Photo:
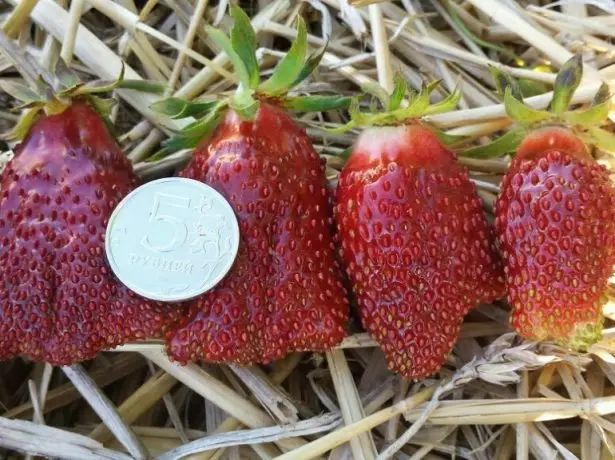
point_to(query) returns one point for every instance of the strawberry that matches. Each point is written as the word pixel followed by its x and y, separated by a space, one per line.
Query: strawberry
pixel 284 292
pixel 416 245
pixel 555 222
pixel 59 301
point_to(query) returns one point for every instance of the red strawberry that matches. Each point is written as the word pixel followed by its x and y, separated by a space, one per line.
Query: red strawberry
pixel 59 302
pixel 555 220
pixel 284 292
pixel 417 247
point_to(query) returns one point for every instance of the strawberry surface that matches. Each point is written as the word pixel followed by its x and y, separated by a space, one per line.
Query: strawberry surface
pixel 283 293
pixel 59 301
pixel 415 243
pixel 555 221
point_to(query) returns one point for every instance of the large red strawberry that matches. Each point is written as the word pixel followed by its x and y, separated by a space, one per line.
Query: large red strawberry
pixel 414 240
pixel 284 292
pixel 555 220
pixel 59 301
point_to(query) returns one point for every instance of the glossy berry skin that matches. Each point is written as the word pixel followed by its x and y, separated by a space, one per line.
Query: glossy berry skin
pixel 59 302
pixel 416 245
pixel 555 221
pixel 283 293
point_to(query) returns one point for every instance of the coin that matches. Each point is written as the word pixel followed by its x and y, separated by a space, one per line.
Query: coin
pixel 172 239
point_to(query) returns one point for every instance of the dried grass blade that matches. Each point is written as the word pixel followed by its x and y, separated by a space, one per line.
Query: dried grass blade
pixel 105 410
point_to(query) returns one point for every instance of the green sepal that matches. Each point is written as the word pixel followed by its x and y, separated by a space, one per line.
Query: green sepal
pixel 445 105
pixel 589 117
pixel 507 143
pixel 531 88
pixel 159 155
pixel 448 139
pixel 18 91
pixel 244 103
pixel 144 86
pixel 316 103
pixel 67 78
pixel 310 65
pixel 601 138
pixel 243 40
pixel 102 105
pixel 566 83
pixel 225 43
pixel 176 108
pixel 379 93
pixel 502 81
pixel 602 95
pixel 192 135
pixel 520 112
pixel 290 67
pixel 400 89
pixel 21 129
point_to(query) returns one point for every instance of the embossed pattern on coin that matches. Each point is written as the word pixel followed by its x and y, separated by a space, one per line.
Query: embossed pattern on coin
pixel 172 239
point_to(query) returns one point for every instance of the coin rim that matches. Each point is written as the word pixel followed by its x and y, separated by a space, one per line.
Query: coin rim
pixel 162 298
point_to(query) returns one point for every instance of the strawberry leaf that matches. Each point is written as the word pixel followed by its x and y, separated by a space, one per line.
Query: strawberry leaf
pixel 602 139
pixel 289 68
pixel 520 112
pixel 507 143
pixel 223 42
pixel 316 103
pixel 243 41
pixel 566 83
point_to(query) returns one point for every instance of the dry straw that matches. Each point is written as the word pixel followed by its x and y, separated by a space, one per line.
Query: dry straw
pixel 496 397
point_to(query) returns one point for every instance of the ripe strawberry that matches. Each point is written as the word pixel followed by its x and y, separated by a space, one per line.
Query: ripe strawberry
pixel 59 301
pixel 284 292
pixel 555 216
pixel 555 220
pixel 416 245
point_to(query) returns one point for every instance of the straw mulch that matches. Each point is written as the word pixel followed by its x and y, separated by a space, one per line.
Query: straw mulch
pixel 496 398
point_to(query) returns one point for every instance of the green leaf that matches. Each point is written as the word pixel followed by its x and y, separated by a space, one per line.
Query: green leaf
pixel 399 91
pixel 223 42
pixel 243 40
pixel 176 108
pixel 310 65
pixel 316 103
pixel 18 91
pixel 566 83
pixel 289 68
pixel 502 81
pixel 520 112
pixel 590 117
pixel 507 143
pixel 602 139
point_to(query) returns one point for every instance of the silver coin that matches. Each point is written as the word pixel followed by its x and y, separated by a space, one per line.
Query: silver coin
pixel 172 239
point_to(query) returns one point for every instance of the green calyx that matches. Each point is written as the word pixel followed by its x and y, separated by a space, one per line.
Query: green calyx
pixel 240 47
pixel 403 106
pixel 54 93
pixel 583 122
